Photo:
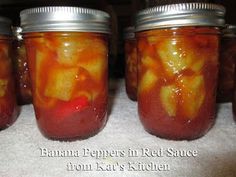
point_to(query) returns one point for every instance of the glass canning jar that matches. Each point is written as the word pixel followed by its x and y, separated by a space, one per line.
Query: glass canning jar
pixel 21 70
pixel 227 64
pixel 67 53
pixel 177 68
pixel 8 106
pixel 131 63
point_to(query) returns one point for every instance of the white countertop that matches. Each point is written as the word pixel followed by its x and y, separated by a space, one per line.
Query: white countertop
pixel 24 152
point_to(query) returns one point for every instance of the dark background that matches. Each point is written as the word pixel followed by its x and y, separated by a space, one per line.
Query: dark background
pixel 122 12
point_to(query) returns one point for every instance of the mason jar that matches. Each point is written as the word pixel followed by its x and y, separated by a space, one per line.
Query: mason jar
pixel 131 63
pixel 8 106
pixel 21 70
pixel 67 53
pixel 227 64
pixel 178 47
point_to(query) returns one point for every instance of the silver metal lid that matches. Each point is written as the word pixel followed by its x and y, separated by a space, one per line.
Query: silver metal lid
pixel 229 31
pixel 16 30
pixel 62 18
pixel 129 32
pixel 5 26
pixel 184 14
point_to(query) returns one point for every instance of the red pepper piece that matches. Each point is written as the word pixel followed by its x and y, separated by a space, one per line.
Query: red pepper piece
pixel 66 109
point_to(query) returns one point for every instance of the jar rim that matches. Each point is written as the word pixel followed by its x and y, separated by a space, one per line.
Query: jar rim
pixel 129 32
pixel 17 33
pixel 229 30
pixel 5 26
pixel 182 14
pixel 64 18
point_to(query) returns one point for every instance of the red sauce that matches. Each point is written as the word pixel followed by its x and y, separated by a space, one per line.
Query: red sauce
pixel 69 83
pixel 177 81
pixel 131 72
pixel 8 107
